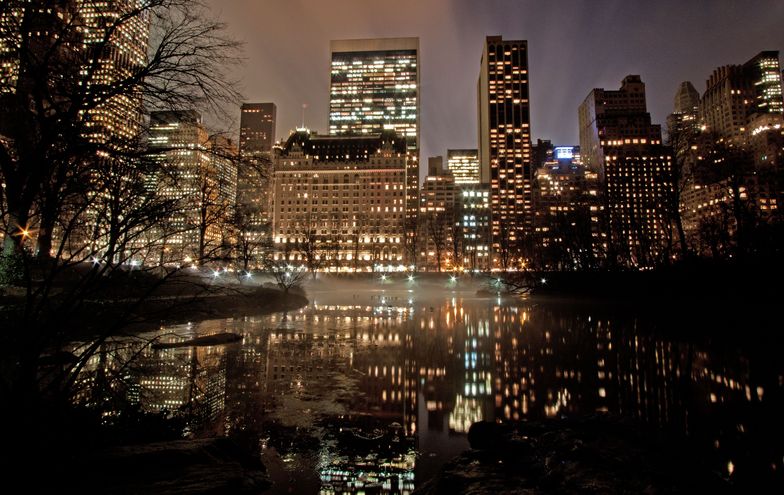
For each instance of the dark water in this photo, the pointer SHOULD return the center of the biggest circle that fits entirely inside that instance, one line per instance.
(373, 388)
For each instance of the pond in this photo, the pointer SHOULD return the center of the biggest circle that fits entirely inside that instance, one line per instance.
(373, 387)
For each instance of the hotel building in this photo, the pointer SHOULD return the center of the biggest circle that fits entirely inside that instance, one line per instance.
(339, 201)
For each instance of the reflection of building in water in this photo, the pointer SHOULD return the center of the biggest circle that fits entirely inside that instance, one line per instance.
(245, 380)
(348, 475)
(472, 402)
(185, 378)
(372, 344)
(433, 337)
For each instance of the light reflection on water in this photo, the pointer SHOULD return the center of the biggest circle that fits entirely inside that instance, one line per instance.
(376, 390)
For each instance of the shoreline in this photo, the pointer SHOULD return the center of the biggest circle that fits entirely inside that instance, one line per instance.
(237, 303)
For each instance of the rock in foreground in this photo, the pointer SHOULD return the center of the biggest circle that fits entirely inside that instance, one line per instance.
(596, 455)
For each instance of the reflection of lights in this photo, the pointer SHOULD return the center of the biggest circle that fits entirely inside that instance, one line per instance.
(216, 273)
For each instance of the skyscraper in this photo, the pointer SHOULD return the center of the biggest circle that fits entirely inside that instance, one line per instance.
(257, 135)
(687, 99)
(505, 139)
(620, 144)
(464, 165)
(257, 128)
(374, 85)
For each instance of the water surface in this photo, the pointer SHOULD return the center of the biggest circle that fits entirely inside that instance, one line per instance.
(374, 387)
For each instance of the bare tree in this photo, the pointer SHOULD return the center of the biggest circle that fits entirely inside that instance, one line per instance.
(436, 225)
(285, 275)
(82, 185)
(248, 242)
(308, 242)
(59, 85)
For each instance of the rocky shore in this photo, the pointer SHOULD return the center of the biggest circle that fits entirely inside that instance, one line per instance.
(598, 455)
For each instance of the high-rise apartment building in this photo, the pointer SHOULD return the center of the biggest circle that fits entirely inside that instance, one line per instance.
(200, 175)
(741, 113)
(505, 139)
(339, 201)
(464, 165)
(620, 144)
(374, 85)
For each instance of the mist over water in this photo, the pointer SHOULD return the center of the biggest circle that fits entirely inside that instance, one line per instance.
(376, 382)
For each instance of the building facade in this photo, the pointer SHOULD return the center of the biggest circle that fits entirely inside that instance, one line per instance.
(473, 222)
(257, 136)
(464, 165)
(438, 236)
(736, 149)
(619, 143)
(339, 201)
(505, 140)
(200, 175)
(567, 207)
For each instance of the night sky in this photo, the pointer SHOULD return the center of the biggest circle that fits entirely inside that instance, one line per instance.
(574, 46)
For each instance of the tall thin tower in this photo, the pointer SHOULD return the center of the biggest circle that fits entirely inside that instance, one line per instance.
(505, 141)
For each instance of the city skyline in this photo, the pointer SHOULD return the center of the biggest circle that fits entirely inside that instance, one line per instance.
(288, 63)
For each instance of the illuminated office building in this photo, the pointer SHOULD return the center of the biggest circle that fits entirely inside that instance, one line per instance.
(619, 143)
(121, 116)
(464, 165)
(374, 85)
(505, 139)
(473, 222)
(339, 201)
